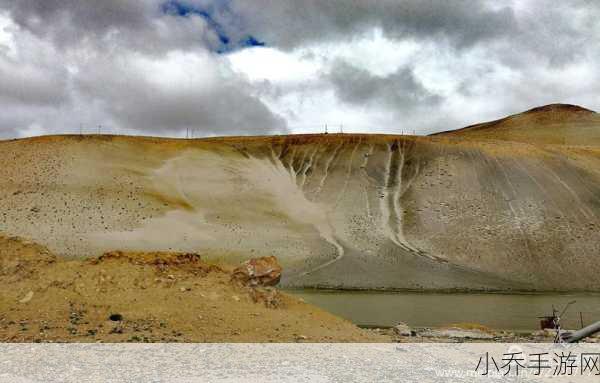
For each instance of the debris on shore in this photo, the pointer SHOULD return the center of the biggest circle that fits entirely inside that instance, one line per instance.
(463, 333)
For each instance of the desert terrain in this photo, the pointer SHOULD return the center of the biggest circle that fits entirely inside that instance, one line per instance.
(178, 297)
(454, 211)
(149, 297)
(134, 239)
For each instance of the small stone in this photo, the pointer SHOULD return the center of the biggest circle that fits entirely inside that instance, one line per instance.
(402, 329)
(269, 296)
(545, 333)
(235, 298)
(27, 297)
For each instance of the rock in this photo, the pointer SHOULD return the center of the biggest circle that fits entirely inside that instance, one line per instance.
(402, 329)
(116, 317)
(264, 271)
(27, 297)
(545, 333)
(269, 296)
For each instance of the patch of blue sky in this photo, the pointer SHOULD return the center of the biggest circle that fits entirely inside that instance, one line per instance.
(183, 9)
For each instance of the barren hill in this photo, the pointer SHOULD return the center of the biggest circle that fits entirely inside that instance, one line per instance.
(561, 124)
(349, 211)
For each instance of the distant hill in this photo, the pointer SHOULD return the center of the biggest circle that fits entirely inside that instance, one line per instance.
(560, 124)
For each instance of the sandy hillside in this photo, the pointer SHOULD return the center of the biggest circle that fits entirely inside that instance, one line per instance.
(148, 297)
(350, 211)
(561, 124)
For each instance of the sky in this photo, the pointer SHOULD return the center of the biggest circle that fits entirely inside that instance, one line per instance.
(253, 67)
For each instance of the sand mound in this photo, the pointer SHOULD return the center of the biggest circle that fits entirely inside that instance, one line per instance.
(147, 297)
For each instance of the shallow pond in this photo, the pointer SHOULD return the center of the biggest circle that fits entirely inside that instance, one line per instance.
(499, 311)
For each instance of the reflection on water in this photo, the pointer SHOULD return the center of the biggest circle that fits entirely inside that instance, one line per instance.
(499, 311)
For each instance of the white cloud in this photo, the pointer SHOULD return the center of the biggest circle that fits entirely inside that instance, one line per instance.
(269, 64)
(293, 83)
(7, 41)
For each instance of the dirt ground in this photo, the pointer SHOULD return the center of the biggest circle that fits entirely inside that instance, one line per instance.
(148, 297)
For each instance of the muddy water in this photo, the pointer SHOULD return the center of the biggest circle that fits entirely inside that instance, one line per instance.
(499, 311)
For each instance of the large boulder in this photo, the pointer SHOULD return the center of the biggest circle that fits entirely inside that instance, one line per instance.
(264, 271)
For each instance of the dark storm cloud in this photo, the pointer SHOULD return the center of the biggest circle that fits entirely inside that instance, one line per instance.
(400, 90)
(554, 32)
(141, 25)
(289, 23)
(48, 14)
(225, 111)
(31, 85)
(145, 25)
(160, 105)
(66, 21)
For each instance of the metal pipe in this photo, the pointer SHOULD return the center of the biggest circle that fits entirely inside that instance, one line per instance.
(583, 333)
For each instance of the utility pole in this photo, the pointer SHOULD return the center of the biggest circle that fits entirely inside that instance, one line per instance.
(99, 128)
(80, 129)
(341, 128)
(325, 128)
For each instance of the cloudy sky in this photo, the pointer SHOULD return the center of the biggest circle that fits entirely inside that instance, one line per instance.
(288, 66)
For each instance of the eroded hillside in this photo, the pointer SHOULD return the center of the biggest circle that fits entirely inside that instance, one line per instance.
(351, 211)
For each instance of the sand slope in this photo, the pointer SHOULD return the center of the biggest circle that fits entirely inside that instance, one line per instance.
(351, 211)
(147, 297)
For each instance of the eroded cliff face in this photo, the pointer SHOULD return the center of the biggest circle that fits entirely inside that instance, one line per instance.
(344, 211)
